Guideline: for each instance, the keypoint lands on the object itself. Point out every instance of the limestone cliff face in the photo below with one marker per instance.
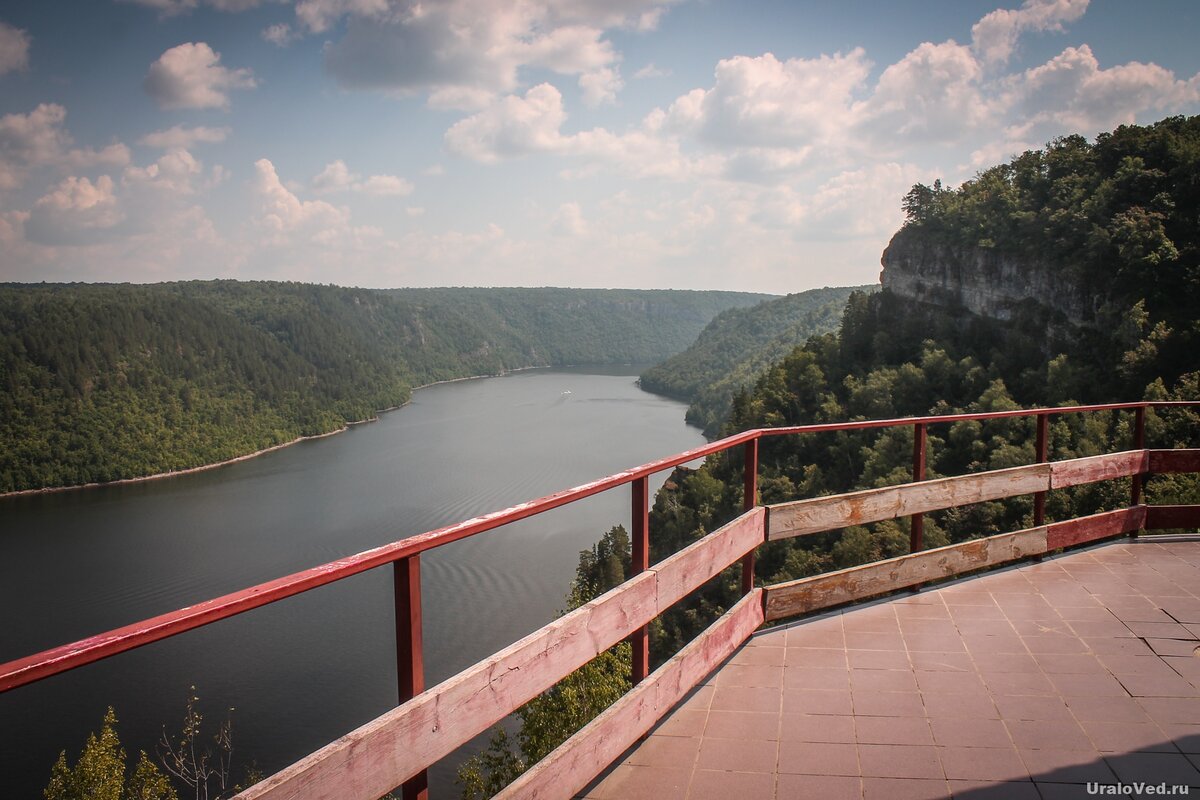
(980, 280)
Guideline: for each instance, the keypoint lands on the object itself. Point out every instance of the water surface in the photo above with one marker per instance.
(305, 670)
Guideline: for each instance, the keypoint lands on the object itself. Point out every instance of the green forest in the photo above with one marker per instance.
(1119, 217)
(106, 382)
(737, 347)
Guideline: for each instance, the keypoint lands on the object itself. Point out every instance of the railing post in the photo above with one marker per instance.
(410, 658)
(640, 562)
(749, 500)
(1139, 443)
(917, 524)
(1039, 499)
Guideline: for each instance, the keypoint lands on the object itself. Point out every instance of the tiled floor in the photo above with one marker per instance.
(1025, 683)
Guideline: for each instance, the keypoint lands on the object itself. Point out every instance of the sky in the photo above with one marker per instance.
(700, 144)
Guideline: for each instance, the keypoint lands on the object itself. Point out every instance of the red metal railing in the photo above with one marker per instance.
(404, 555)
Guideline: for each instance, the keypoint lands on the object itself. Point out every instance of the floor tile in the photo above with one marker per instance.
(742, 725)
(1088, 685)
(759, 655)
(978, 706)
(734, 754)
(1171, 768)
(745, 698)
(1050, 765)
(882, 680)
(1048, 734)
(941, 662)
(970, 732)
(824, 679)
(887, 704)
(892, 730)
(816, 728)
(949, 682)
(878, 659)
(678, 752)
(630, 782)
(904, 789)
(1124, 737)
(825, 787)
(751, 675)
(993, 790)
(816, 758)
(982, 763)
(816, 701)
(815, 658)
(899, 761)
(718, 785)
(1106, 709)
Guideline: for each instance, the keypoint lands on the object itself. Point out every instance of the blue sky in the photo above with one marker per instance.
(761, 146)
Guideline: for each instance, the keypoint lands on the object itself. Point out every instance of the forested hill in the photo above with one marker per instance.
(104, 382)
(1070, 274)
(1113, 223)
(738, 345)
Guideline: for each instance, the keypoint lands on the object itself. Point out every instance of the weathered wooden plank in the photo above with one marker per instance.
(577, 761)
(1158, 517)
(389, 750)
(1182, 460)
(856, 583)
(385, 752)
(1097, 468)
(1097, 526)
(695, 564)
(872, 505)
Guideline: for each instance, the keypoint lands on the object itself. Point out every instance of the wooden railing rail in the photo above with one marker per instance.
(424, 727)
(400, 744)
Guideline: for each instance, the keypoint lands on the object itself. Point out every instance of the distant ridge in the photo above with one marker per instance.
(738, 346)
(105, 382)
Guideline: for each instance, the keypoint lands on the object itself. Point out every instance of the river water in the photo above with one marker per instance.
(305, 670)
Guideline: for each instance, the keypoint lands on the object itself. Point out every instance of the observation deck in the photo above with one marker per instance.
(1055, 668)
(1022, 683)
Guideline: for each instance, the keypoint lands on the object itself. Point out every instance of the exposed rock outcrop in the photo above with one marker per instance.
(981, 280)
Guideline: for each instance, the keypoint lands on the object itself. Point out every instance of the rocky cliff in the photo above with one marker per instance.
(981, 280)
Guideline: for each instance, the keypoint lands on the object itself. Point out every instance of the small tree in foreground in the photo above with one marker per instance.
(99, 774)
(199, 763)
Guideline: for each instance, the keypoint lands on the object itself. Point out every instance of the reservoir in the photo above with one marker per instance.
(303, 671)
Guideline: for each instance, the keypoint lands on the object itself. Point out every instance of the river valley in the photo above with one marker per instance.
(305, 670)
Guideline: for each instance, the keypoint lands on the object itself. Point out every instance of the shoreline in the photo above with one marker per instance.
(217, 464)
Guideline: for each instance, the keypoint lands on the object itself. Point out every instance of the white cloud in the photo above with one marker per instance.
(190, 75)
(994, 37)
(651, 71)
(14, 49)
(40, 139)
(933, 94)
(568, 221)
(600, 86)
(169, 8)
(337, 177)
(280, 34)
(385, 185)
(762, 101)
(175, 171)
(466, 52)
(415, 211)
(513, 126)
(319, 15)
(1074, 93)
(179, 136)
(76, 210)
(287, 220)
